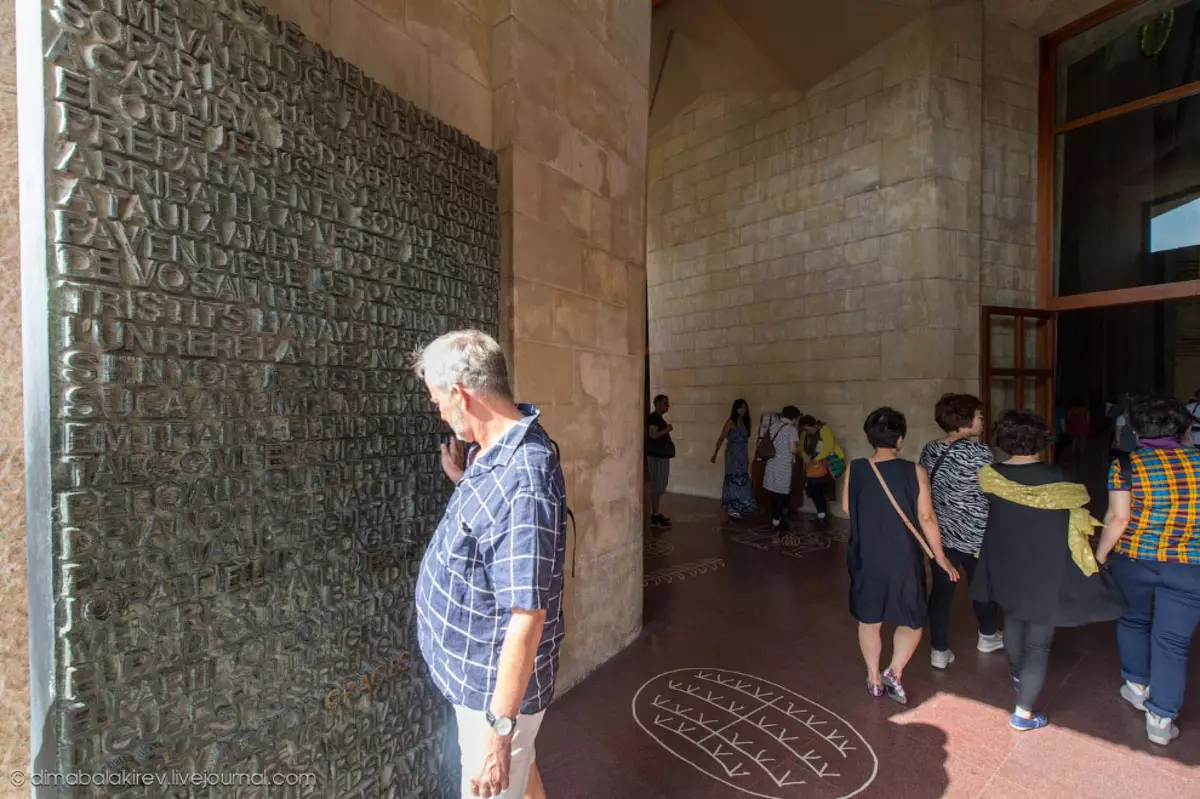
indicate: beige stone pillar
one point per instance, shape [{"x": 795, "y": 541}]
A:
[
  {"x": 926, "y": 308},
  {"x": 14, "y": 636},
  {"x": 570, "y": 81}
]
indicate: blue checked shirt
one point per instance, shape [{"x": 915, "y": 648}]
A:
[{"x": 500, "y": 545}]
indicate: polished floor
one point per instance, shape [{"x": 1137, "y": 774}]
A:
[{"x": 747, "y": 681}]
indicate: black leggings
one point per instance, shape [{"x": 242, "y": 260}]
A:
[
  {"x": 1028, "y": 648},
  {"x": 818, "y": 491},
  {"x": 941, "y": 600},
  {"x": 779, "y": 506}
]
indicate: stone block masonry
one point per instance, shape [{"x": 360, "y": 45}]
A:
[
  {"x": 571, "y": 95},
  {"x": 822, "y": 249},
  {"x": 831, "y": 249}
]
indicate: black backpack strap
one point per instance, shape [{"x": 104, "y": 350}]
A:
[{"x": 570, "y": 513}]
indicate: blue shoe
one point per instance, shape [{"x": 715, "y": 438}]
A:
[{"x": 1023, "y": 724}]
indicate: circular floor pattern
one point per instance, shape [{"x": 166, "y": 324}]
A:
[
  {"x": 657, "y": 548},
  {"x": 747, "y": 732},
  {"x": 677, "y": 573},
  {"x": 793, "y": 545}
]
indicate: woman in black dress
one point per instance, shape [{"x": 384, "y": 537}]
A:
[
  {"x": 886, "y": 553},
  {"x": 1035, "y": 561}
]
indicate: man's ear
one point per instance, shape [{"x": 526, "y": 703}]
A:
[{"x": 467, "y": 399}]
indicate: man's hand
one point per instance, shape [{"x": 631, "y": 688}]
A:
[
  {"x": 453, "y": 463},
  {"x": 670, "y": 427},
  {"x": 492, "y": 778}
]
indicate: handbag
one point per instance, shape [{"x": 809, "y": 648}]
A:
[
  {"x": 911, "y": 528},
  {"x": 817, "y": 470},
  {"x": 765, "y": 449},
  {"x": 837, "y": 465}
]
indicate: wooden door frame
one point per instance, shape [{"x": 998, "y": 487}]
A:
[
  {"x": 1048, "y": 131},
  {"x": 1045, "y": 369}
]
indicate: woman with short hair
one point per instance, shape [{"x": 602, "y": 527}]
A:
[
  {"x": 886, "y": 498},
  {"x": 1153, "y": 532},
  {"x": 953, "y": 463},
  {"x": 1035, "y": 560}
]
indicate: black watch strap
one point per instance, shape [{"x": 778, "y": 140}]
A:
[{"x": 499, "y": 723}]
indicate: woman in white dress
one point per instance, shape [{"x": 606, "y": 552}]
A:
[{"x": 777, "y": 475}]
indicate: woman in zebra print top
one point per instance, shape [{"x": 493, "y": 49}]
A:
[{"x": 953, "y": 463}]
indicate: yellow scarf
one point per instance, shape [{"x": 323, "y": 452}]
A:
[{"x": 1052, "y": 496}]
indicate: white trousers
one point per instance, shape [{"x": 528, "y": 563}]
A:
[{"x": 473, "y": 732}]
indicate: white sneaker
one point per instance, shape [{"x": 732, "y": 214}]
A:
[
  {"x": 940, "y": 659},
  {"x": 1135, "y": 695},
  {"x": 990, "y": 643},
  {"x": 1159, "y": 730}
]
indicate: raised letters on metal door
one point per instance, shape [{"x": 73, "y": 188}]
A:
[{"x": 247, "y": 238}]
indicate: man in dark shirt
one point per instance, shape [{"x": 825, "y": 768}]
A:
[{"x": 660, "y": 449}]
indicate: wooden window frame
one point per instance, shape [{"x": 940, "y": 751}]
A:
[
  {"x": 1048, "y": 131},
  {"x": 1044, "y": 370}
]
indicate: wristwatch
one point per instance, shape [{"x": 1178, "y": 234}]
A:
[{"x": 501, "y": 725}]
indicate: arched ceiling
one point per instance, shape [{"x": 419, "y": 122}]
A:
[{"x": 714, "y": 46}]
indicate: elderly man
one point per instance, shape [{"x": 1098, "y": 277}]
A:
[{"x": 489, "y": 596}]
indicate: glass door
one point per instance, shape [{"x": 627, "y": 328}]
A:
[{"x": 1017, "y": 362}]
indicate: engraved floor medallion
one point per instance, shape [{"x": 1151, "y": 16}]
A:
[
  {"x": 754, "y": 735},
  {"x": 677, "y": 573},
  {"x": 792, "y": 545},
  {"x": 657, "y": 548}
]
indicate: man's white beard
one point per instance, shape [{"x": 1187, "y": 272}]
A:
[{"x": 457, "y": 425}]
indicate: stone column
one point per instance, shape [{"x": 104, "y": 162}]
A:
[
  {"x": 14, "y": 650},
  {"x": 570, "y": 81},
  {"x": 926, "y": 308}
]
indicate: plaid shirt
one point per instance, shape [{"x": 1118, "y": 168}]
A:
[
  {"x": 1164, "y": 504},
  {"x": 500, "y": 545}
]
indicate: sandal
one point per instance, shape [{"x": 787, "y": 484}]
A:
[
  {"x": 875, "y": 689},
  {"x": 895, "y": 691}
]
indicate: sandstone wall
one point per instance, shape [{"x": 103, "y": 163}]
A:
[
  {"x": 1008, "y": 273},
  {"x": 822, "y": 250},
  {"x": 832, "y": 250},
  {"x": 14, "y": 620},
  {"x": 571, "y": 104}
]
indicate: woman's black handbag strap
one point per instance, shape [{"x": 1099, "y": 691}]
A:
[{"x": 941, "y": 459}]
